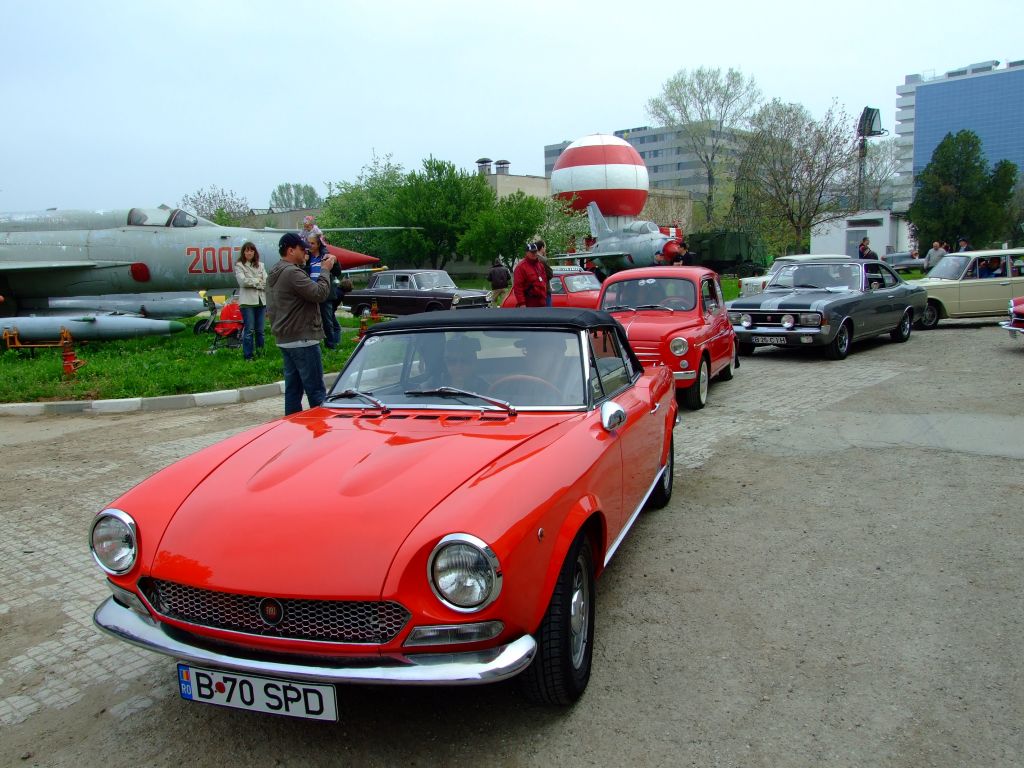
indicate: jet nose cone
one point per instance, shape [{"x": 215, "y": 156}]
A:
[{"x": 174, "y": 326}]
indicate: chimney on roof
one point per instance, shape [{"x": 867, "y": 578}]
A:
[
  {"x": 483, "y": 166},
  {"x": 501, "y": 167}
]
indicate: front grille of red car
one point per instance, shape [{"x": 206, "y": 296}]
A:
[{"x": 335, "y": 621}]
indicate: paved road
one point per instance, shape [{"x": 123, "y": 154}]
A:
[{"x": 836, "y": 581}]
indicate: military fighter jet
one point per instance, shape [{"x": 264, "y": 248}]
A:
[
  {"x": 141, "y": 250},
  {"x": 638, "y": 244}
]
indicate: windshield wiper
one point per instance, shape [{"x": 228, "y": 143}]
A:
[
  {"x": 456, "y": 392},
  {"x": 808, "y": 285},
  {"x": 618, "y": 307},
  {"x": 656, "y": 306},
  {"x": 351, "y": 393}
]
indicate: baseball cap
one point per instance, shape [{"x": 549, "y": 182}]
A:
[{"x": 290, "y": 240}]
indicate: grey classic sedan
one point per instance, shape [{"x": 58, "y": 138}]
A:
[{"x": 827, "y": 305}]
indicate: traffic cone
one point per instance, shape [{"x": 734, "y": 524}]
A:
[
  {"x": 362, "y": 326},
  {"x": 374, "y": 312}
]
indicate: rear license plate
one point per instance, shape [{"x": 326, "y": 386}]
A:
[
  {"x": 768, "y": 339},
  {"x": 258, "y": 694}
]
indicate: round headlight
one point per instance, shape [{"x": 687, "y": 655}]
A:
[
  {"x": 746, "y": 320},
  {"x": 788, "y": 322},
  {"x": 455, "y": 300},
  {"x": 114, "y": 541},
  {"x": 464, "y": 573},
  {"x": 678, "y": 346}
]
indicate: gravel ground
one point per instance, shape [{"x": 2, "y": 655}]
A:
[{"x": 837, "y": 581}]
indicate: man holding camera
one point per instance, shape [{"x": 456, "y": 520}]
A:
[{"x": 293, "y": 306}]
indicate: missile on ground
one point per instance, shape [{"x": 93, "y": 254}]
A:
[{"x": 88, "y": 327}]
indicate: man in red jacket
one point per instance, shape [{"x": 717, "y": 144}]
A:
[{"x": 530, "y": 282}]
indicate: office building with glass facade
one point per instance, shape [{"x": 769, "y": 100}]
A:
[{"x": 984, "y": 98}]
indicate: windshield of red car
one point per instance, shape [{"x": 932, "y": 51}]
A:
[
  {"x": 526, "y": 367},
  {"x": 677, "y": 293},
  {"x": 587, "y": 282}
]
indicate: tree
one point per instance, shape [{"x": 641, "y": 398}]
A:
[
  {"x": 796, "y": 172},
  {"x": 442, "y": 202},
  {"x": 958, "y": 196},
  {"x": 880, "y": 168},
  {"x": 292, "y": 196},
  {"x": 708, "y": 106},
  {"x": 207, "y": 202},
  {"x": 502, "y": 230},
  {"x": 564, "y": 229},
  {"x": 368, "y": 201}
]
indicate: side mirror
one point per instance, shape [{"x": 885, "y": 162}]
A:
[{"x": 613, "y": 415}]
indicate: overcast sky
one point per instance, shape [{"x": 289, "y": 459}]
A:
[{"x": 122, "y": 104}]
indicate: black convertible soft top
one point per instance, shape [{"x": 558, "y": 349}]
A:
[
  {"x": 542, "y": 318},
  {"x": 571, "y": 318}
]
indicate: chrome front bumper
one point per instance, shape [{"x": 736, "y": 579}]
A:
[
  {"x": 1013, "y": 329},
  {"x": 466, "y": 668}
]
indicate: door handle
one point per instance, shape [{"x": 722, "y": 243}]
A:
[{"x": 656, "y": 407}]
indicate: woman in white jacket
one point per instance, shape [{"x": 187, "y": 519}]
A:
[{"x": 252, "y": 298}]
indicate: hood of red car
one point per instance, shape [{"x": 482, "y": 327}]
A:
[
  {"x": 320, "y": 504},
  {"x": 654, "y": 325}
]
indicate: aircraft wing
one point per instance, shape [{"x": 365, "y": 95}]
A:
[
  {"x": 341, "y": 229},
  {"x": 25, "y": 266}
]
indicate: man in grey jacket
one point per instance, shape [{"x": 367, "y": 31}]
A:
[{"x": 293, "y": 306}]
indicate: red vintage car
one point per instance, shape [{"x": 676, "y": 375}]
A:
[
  {"x": 440, "y": 519},
  {"x": 569, "y": 287},
  {"x": 1015, "y": 322},
  {"x": 676, "y": 317}
]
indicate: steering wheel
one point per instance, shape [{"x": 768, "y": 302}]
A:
[
  {"x": 533, "y": 384},
  {"x": 675, "y": 301}
]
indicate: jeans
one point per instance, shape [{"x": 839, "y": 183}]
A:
[
  {"x": 303, "y": 372},
  {"x": 332, "y": 328},
  {"x": 252, "y": 329}
]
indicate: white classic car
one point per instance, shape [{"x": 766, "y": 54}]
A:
[
  {"x": 972, "y": 284},
  {"x": 751, "y": 286}
]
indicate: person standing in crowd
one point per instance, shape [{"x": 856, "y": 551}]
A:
[
  {"x": 252, "y": 299},
  {"x": 317, "y": 251},
  {"x": 499, "y": 278},
  {"x": 529, "y": 281},
  {"x": 963, "y": 245},
  {"x": 864, "y": 248},
  {"x": 309, "y": 227},
  {"x": 935, "y": 253},
  {"x": 293, "y": 301}
]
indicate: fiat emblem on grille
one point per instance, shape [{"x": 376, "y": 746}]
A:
[{"x": 271, "y": 611}]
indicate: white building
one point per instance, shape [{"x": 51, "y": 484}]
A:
[{"x": 887, "y": 232}]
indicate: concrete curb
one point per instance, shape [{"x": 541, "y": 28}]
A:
[{"x": 164, "y": 403}]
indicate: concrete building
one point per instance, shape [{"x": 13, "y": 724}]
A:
[
  {"x": 887, "y": 231},
  {"x": 983, "y": 97},
  {"x": 671, "y": 162}
]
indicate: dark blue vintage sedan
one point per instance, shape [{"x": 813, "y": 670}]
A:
[{"x": 827, "y": 305}]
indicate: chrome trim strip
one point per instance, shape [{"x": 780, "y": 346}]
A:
[
  {"x": 684, "y": 375},
  {"x": 466, "y": 668},
  {"x": 1008, "y": 325},
  {"x": 632, "y": 519}
]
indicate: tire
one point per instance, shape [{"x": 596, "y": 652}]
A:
[
  {"x": 359, "y": 309},
  {"x": 661, "y": 495},
  {"x": 930, "y": 318},
  {"x": 203, "y": 326},
  {"x": 729, "y": 371},
  {"x": 745, "y": 348},
  {"x": 435, "y": 307},
  {"x": 901, "y": 332},
  {"x": 696, "y": 397},
  {"x": 565, "y": 639},
  {"x": 840, "y": 346}
]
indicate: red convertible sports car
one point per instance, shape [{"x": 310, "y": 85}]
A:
[
  {"x": 675, "y": 316},
  {"x": 439, "y": 520}
]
